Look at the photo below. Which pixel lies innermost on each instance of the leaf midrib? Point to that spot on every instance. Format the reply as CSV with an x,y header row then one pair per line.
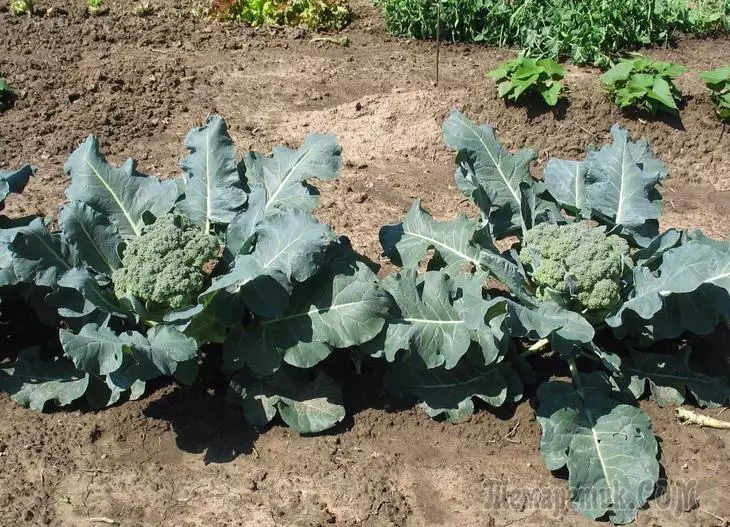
x,y
113,194
284,181
497,165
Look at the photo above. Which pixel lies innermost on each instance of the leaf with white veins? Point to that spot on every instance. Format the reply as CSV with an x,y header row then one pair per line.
x,y
407,243
609,448
32,382
94,237
337,308
284,174
213,189
122,194
489,169
671,378
306,406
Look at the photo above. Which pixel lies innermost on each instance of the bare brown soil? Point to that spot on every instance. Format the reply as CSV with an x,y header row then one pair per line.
x,y
182,457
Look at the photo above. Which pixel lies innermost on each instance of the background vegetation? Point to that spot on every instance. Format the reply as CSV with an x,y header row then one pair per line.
x,y
586,32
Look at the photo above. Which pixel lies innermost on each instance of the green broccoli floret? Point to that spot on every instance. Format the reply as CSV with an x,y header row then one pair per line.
x,y
577,262
165,264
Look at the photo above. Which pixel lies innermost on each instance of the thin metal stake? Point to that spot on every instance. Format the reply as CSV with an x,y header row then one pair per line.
x,y
438,39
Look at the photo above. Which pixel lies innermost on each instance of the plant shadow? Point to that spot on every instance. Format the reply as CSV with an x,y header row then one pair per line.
x,y
205,424
536,107
672,120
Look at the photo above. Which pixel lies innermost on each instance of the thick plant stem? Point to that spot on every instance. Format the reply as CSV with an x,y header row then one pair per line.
x,y
537,347
576,376
693,418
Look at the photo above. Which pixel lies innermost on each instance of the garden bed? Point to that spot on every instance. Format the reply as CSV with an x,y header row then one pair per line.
x,y
184,457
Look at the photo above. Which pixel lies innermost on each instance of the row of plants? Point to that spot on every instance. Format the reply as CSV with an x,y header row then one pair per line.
x,y
314,14
586,32
636,82
226,267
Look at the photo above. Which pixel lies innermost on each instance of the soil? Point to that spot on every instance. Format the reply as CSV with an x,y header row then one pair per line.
x,y
182,457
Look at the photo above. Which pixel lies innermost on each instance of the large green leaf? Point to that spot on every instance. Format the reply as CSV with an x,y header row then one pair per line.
x,y
90,295
690,290
40,256
621,184
94,237
32,382
450,392
407,243
487,169
122,194
285,172
292,242
548,318
14,181
424,319
306,406
165,347
341,306
609,448
213,188
566,181
242,229
290,245
670,378
95,349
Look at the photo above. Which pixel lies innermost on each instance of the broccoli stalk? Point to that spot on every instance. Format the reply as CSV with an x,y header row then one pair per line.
x,y
165,265
581,264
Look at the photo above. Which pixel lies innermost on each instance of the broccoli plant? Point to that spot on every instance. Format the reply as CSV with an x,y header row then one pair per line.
x,y
645,84
585,267
164,266
589,278
521,76
718,82
145,272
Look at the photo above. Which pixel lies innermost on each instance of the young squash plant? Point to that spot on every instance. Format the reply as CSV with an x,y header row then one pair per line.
x,y
647,85
519,77
718,82
145,272
589,278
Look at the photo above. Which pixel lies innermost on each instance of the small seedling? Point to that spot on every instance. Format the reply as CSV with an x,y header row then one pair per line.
x,y
6,94
144,9
645,84
718,82
21,7
96,7
525,75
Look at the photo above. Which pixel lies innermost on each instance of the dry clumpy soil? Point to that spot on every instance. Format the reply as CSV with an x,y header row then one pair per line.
x,y
181,457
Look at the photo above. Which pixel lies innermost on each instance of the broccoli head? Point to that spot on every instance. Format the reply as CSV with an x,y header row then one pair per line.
x,y
578,262
165,264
